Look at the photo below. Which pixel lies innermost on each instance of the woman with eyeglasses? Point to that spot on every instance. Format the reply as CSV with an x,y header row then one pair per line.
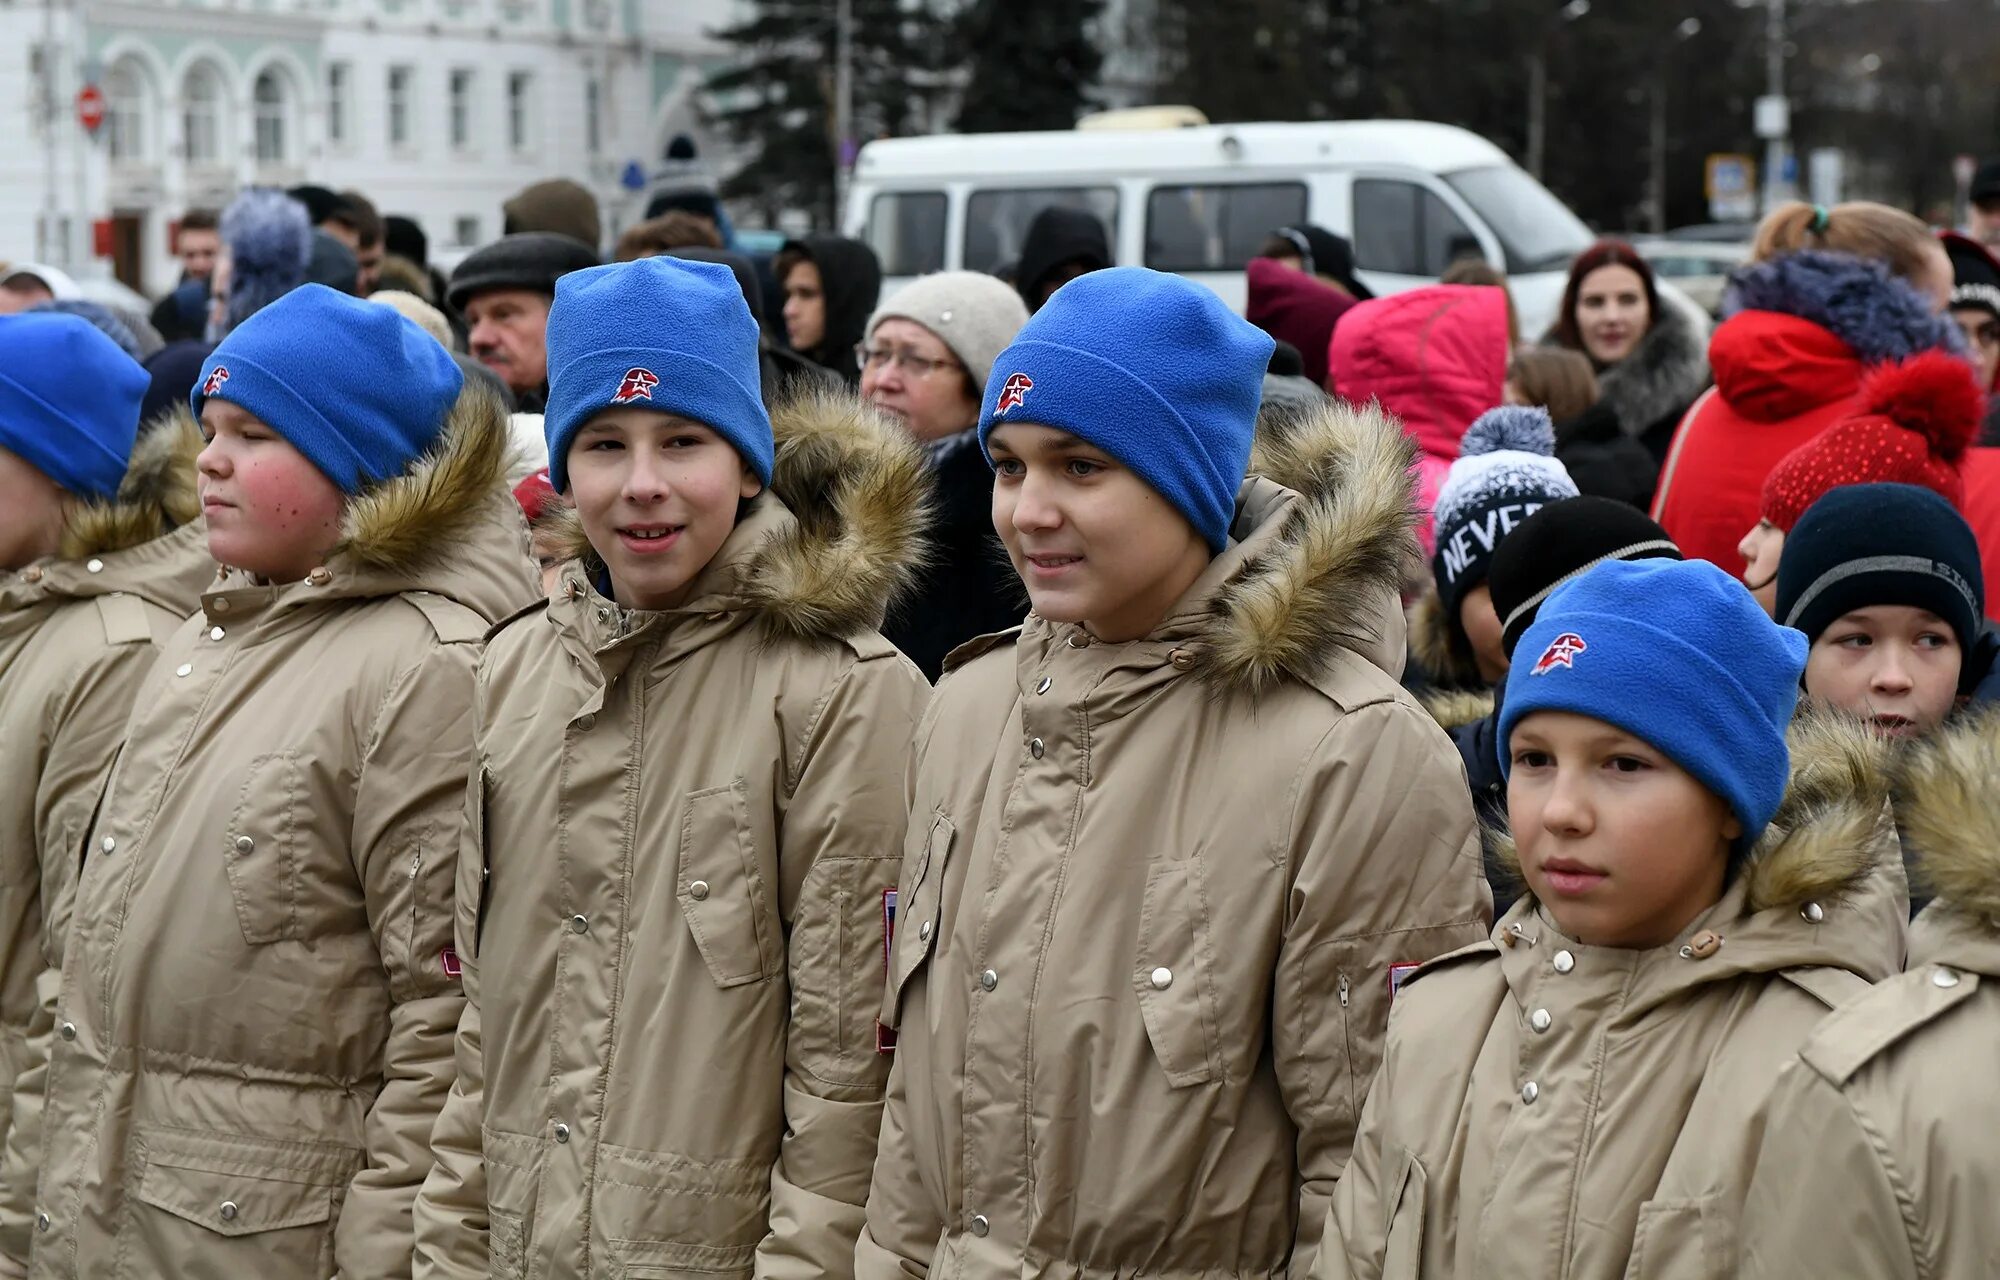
x,y
924,361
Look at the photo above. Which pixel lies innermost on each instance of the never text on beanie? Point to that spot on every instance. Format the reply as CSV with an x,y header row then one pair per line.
x,y
973,314
1505,471
1560,542
1679,655
1156,371
1868,545
662,333
356,388
69,401
1913,423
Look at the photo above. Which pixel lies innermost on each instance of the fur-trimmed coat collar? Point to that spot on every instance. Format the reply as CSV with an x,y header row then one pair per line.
x,y
1439,648
1948,790
1661,377
1878,316
823,552
157,495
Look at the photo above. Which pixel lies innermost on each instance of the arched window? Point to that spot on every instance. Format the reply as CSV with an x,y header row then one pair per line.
x,y
201,115
128,114
273,117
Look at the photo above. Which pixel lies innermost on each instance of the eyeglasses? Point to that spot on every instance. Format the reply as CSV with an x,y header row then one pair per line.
x,y
912,364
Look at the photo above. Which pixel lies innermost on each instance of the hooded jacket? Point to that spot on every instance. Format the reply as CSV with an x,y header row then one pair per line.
x,y
1153,898
1878,1159
1295,308
1059,235
850,278
1571,1112
1434,357
78,633
259,992
1803,329
672,915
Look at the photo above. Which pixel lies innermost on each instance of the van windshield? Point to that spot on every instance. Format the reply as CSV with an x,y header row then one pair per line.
x,y
1537,231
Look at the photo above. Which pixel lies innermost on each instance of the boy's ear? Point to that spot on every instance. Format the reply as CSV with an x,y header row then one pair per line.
x,y
1732,828
751,485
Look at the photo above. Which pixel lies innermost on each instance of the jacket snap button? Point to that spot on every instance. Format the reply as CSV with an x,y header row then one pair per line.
x,y
1043,685
94,565
31,575
1162,978
579,924
41,1222
1530,1091
924,931
1564,962
1078,642
185,669
216,633
1036,749
698,891
1944,977
228,1211
244,844
110,844
1812,912
989,980
1705,944
980,1226
1181,659
562,1132
69,1031
1540,1020
320,577
586,722
218,606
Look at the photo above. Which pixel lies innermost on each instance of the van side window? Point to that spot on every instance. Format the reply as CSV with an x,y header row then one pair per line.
x,y
1216,228
996,221
906,231
1403,229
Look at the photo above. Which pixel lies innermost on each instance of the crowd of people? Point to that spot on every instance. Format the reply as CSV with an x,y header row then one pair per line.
x,y
667,735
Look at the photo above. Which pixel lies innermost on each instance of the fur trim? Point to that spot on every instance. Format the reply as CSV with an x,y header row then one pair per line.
x,y
1951,812
1879,316
860,496
1439,646
1662,376
1341,550
1826,836
411,520
1456,708
157,495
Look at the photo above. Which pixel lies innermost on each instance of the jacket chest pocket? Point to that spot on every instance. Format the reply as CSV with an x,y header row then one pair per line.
x,y
722,889
919,914
1683,1239
231,1205
1174,974
264,848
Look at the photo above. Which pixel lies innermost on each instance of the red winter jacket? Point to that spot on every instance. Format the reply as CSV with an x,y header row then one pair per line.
x,y
1981,472
1436,358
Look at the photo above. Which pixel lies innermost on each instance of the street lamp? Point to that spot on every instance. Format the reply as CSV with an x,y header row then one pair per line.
x,y
1686,31
1538,80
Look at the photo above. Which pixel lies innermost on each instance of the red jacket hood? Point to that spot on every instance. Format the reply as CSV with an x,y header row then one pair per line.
x,y
1294,307
1435,357
1772,367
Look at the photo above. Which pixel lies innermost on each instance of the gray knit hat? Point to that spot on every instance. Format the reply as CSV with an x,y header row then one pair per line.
x,y
972,313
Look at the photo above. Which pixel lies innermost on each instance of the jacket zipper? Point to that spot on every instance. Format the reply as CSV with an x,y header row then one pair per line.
x,y
1343,991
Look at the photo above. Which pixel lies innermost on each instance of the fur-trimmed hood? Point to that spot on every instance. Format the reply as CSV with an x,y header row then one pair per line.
x,y
157,495
1439,648
1662,376
838,536
1948,790
1878,316
1323,529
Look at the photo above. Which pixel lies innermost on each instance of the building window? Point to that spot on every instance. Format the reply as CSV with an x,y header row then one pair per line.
x,y
201,115
466,229
125,114
593,99
520,89
268,100
461,108
339,90
401,82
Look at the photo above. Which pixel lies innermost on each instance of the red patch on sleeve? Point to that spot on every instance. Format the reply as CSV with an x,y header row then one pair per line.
x,y
449,958
1397,974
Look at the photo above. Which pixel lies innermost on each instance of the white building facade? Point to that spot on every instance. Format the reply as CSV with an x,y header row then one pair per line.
x,y
435,109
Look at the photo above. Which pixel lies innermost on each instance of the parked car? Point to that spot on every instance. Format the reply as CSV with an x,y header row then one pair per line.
x,y
1698,268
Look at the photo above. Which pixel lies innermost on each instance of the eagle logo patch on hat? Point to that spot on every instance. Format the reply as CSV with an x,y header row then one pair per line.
x,y
638,385
1013,392
1561,652
213,383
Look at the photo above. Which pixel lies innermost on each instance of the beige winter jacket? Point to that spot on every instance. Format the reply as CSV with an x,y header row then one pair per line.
x,y
78,633
1571,1112
673,924
257,1002
1880,1158
1154,898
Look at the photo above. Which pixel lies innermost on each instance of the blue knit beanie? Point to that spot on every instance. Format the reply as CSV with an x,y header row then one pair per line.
x,y
69,401
356,388
1150,368
663,333
1678,654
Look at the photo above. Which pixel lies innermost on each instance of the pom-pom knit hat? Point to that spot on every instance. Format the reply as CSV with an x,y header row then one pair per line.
x,y
666,334
1915,420
1156,371
1681,656
69,401
356,388
1506,471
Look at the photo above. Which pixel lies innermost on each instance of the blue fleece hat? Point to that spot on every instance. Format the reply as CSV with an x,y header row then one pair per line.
x,y
664,333
69,401
1150,368
356,388
1678,654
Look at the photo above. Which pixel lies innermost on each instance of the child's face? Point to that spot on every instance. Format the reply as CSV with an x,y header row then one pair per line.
x,y
1894,665
1620,844
657,494
543,544
1093,542
1761,550
270,511
31,513
1482,628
